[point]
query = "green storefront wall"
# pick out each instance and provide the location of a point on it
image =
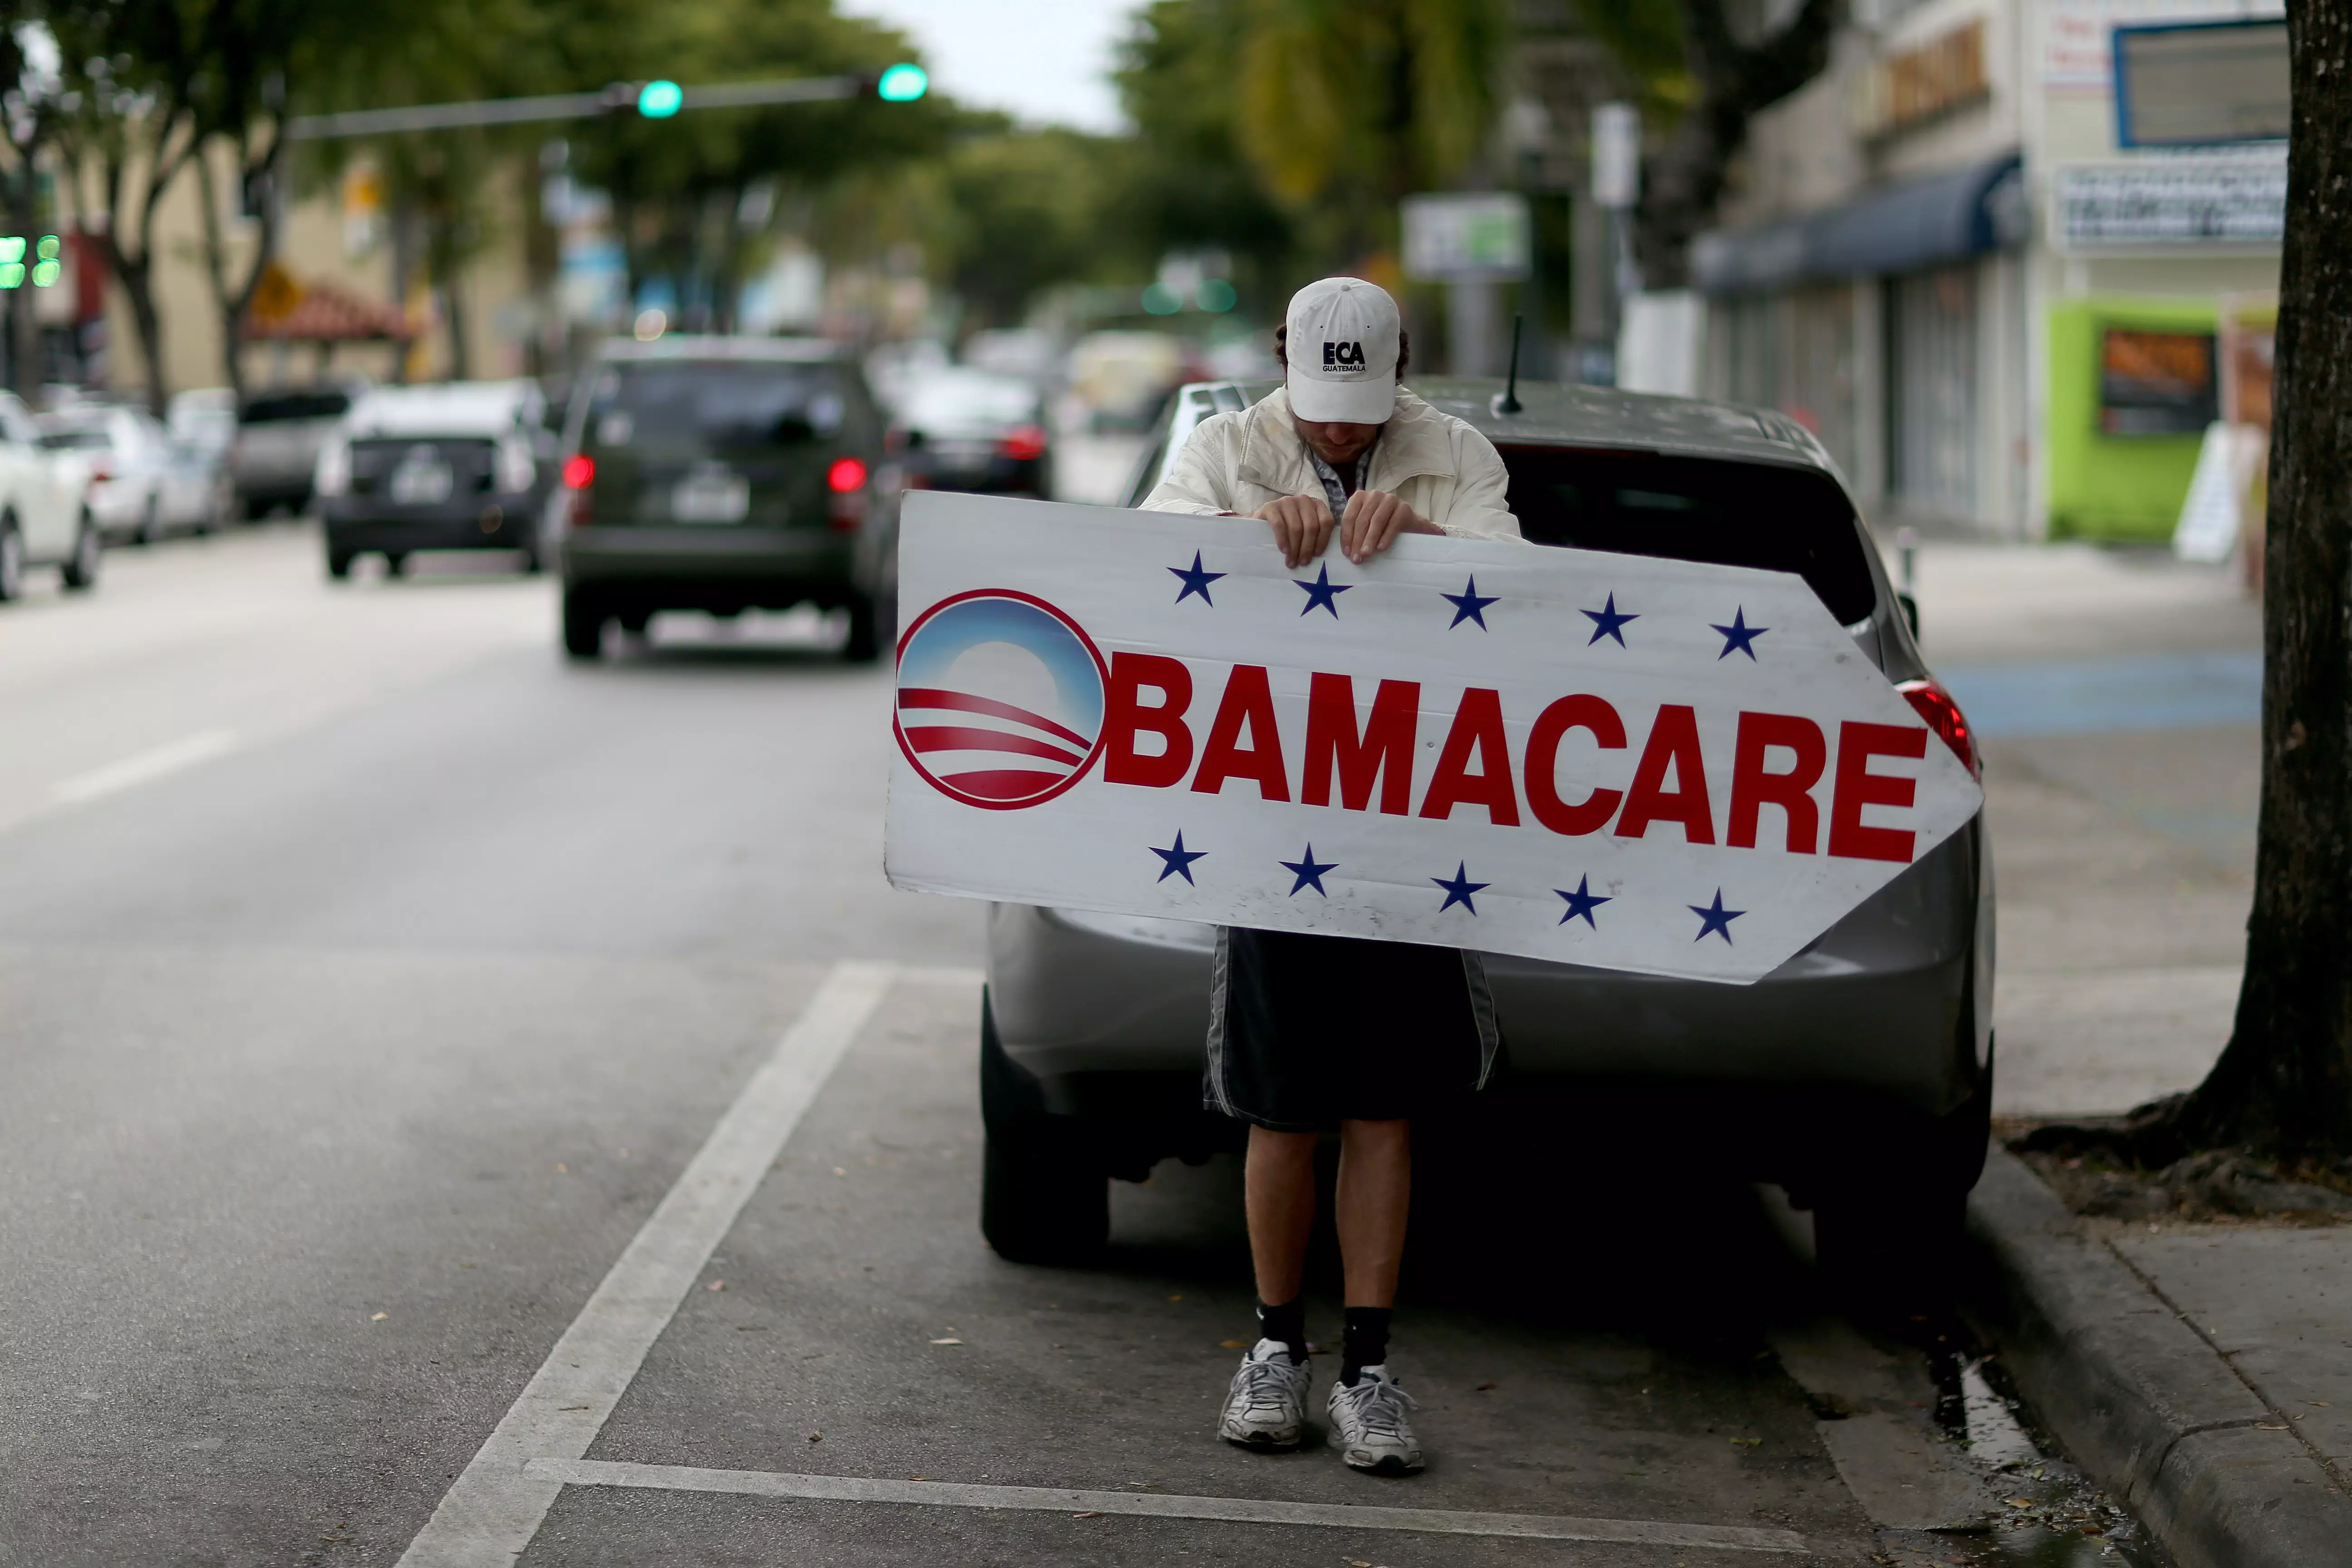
(2119, 488)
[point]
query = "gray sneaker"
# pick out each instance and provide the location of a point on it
(1370, 1425)
(1267, 1403)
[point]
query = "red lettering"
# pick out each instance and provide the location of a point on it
(1125, 716)
(1753, 788)
(1674, 743)
(1383, 751)
(1857, 786)
(1478, 725)
(1248, 702)
(1581, 711)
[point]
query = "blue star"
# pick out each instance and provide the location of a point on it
(1606, 621)
(1459, 889)
(1196, 581)
(1308, 872)
(1737, 636)
(1468, 605)
(1178, 860)
(1717, 920)
(1582, 902)
(1322, 591)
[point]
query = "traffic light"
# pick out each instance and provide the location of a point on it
(661, 99)
(45, 269)
(902, 83)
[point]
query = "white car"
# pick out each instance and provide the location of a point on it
(42, 521)
(137, 489)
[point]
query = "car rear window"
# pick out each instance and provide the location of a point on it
(973, 400)
(715, 405)
(1697, 509)
(88, 441)
(274, 407)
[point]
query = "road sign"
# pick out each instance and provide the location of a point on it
(1639, 764)
(1466, 237)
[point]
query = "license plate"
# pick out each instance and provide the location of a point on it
(711, 498)
(421, 484)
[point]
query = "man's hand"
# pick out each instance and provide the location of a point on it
(1302, 527)
(1374, 520)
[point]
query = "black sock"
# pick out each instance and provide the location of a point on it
(1366, 1343)
(1288, 1323)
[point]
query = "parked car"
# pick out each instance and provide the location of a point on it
(135, 492)
(724, 474)
(198, 490)
(43, 519)
(1859, 1075)
(969, 430)
(460, 465)
(278, 434)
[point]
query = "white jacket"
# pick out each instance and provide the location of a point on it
(1438, 465)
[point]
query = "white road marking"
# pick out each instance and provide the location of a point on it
(144, 767)
(1233, 1510)
(490, 1514)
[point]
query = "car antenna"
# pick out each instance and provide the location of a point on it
(1508, 401)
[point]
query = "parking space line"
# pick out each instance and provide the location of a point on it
(144, 767)
(490, 1513)
(1230, 1510)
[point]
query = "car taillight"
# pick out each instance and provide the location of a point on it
(846, 474)
(99, 468)
(1944, 716)
(578, 471)
(1026, 443)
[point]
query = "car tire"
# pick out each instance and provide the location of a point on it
(395, 564)
(870, 630)
(338, 564)
(11, 561)
(1890, 1238)
(80, 573)
(583, 625)
(1043, 1198)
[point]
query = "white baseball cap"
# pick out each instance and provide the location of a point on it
(1342, 349)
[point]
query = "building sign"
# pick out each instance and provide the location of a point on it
(2156, 383)
(1923, 82)
(1469, 237)
(2168, 201)
(2202, 83)
(2078, 36)
(1639, 764)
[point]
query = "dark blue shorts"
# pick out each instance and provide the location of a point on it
(1306, 1031)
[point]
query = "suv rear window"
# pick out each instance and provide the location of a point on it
(716, 405)
(284, 405)
(1696, 509)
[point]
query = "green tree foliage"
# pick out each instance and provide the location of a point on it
(1019, 212)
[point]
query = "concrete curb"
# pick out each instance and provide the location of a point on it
(2148, 1408)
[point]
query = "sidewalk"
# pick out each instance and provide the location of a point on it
(2202, 1372)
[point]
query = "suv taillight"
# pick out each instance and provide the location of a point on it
(1023, 444)
(580, 478)
(845, 505)
(1944, 716)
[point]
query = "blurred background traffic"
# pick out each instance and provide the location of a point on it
(2011, 260)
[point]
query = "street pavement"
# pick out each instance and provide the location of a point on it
(423, 1055)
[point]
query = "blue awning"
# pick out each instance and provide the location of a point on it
(1902, 228)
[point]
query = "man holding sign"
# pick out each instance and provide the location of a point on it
(1308, 1033)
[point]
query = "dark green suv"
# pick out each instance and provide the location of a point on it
(724, 474)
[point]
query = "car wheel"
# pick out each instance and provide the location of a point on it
(11, 561)
(338, 564)
(1043, 1197)
(583, 625)
(395, 564)
(80, 569)
(869, 630)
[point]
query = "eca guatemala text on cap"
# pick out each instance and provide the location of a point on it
(1342, 343)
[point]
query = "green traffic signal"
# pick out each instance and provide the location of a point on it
(902, 83)
(661, 99)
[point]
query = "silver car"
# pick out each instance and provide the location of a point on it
(1858, 1075)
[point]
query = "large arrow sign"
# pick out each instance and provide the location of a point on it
(1640, 765)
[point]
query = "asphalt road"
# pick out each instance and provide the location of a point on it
(371, 984)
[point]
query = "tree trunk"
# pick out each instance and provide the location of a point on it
(2283, 1087)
